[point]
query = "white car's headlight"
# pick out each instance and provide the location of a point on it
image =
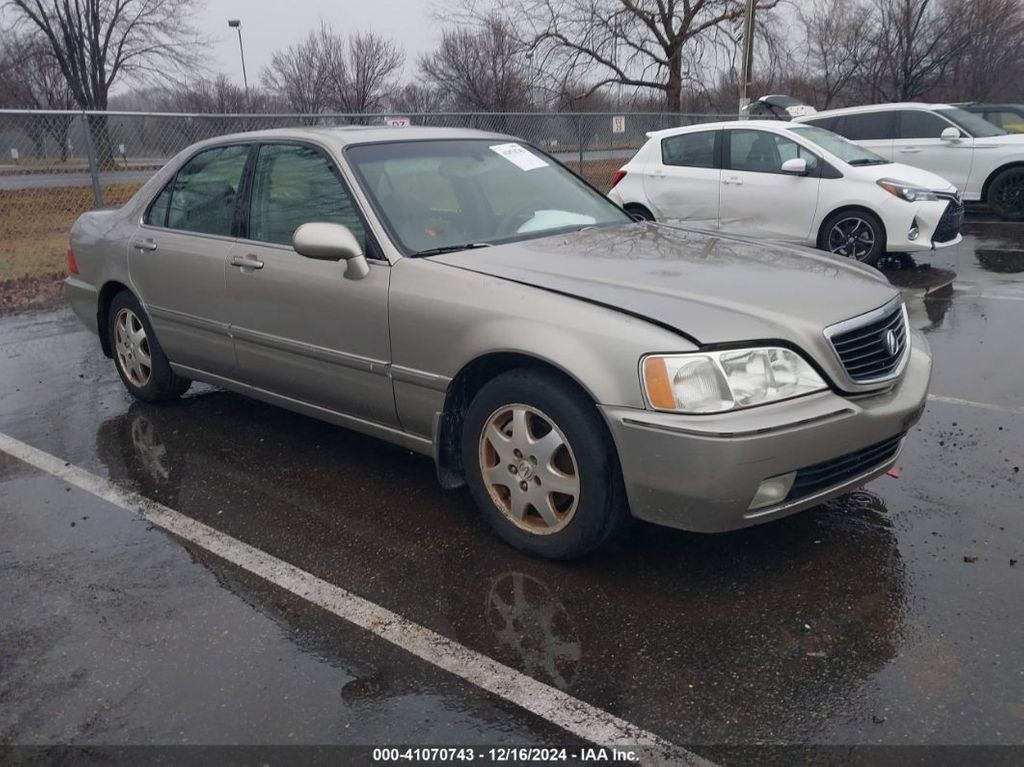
(716, 381)
(905, 191)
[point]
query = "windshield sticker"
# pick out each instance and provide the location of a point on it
(519, 156)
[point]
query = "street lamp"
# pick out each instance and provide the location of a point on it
(237, 24)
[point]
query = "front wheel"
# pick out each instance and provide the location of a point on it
(139, 360)
(1006, 194)
(541, 466)
(853, 234)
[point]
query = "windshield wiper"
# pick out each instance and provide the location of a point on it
(867, 161)
(452, 248)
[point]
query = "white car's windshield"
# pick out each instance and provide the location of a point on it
(974, 124)
(461, 193)
(842, 148)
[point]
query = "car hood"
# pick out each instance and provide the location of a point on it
(906, 173)
(710, 288)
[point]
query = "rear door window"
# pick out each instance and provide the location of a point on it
(865, 126)
(203, 193)
(691, 150)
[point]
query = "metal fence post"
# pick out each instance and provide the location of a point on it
(579, 135)
(90, 153)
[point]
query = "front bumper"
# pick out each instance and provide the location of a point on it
(700, 473)
(937, 222)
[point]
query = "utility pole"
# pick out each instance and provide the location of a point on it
(748, 56)
(236, 24)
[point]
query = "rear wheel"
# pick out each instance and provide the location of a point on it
(639, 212)
(1006, 194)
(853, 234)
(139, 360)
(541, 466)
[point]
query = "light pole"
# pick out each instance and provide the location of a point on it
(237, 25)
(748, 57)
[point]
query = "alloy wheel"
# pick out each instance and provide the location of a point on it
(851, 237)
(1009, 197)
(529, 469)
(132, 346)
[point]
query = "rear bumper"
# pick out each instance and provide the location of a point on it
(84, 299)
(701, 473)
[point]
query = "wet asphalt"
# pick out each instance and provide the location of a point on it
(893, 615)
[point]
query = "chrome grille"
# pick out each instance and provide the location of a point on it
(872, 347)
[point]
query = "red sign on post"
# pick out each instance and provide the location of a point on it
(619, 124)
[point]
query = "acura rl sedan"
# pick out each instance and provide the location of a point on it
(463, 295)
(789, 182)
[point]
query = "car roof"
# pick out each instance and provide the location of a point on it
(986, 105)
(872, 108)
(341, 136)
(771, 124)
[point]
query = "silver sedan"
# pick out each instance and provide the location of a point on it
(465, 296)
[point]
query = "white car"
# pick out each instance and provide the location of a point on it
(984, 162)
(788, 182)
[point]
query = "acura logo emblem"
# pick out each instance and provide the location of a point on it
(890, 342)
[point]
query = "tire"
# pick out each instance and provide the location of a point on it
(638, 212)
(1006, 194)
(863, 229)
(139, 360)
(576, 455)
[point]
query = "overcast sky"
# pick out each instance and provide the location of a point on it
(268, 25)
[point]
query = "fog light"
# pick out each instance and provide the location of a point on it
(772, 491)
(914, 232)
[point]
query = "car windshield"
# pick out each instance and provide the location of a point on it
(454, 194)
(974, 124)
(835, 144)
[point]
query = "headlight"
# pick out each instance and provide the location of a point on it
(713, 382)
(906, 191)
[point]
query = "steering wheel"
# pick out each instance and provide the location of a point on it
(510, 222)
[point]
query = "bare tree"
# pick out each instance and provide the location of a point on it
(837, 37)
(327, 72)
(638, 43)
(30, 78)
(97, 43)
(367, 72)
(483, 68)
(915, 44)
(991, 68)
(417, 97)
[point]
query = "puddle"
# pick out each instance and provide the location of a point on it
(1001, 261)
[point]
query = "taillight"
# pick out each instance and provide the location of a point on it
(72, 264)
(619, 175)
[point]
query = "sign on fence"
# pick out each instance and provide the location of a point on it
(396, 122)
(619, 124)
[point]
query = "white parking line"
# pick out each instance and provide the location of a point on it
(571, 714)
(972, 403)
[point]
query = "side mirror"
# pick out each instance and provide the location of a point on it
(331, 242)
(950, 134)
(795, 167)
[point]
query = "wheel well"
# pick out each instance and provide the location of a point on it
(993, 174)
(467, 382)
(849, 209)
(635, 205)
(106, 296)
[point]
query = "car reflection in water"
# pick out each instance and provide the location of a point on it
(722, 638)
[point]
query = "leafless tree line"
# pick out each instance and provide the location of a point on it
(514, 55)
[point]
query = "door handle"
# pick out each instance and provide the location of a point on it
(734, 180)
(910, 150)
(658, 173)
(247, 262)
(147, 244)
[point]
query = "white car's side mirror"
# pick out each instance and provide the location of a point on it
(950, 134)
(795, 167)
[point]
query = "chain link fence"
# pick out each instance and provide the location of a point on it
(56, 165)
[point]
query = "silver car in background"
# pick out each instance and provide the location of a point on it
(463, 295)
